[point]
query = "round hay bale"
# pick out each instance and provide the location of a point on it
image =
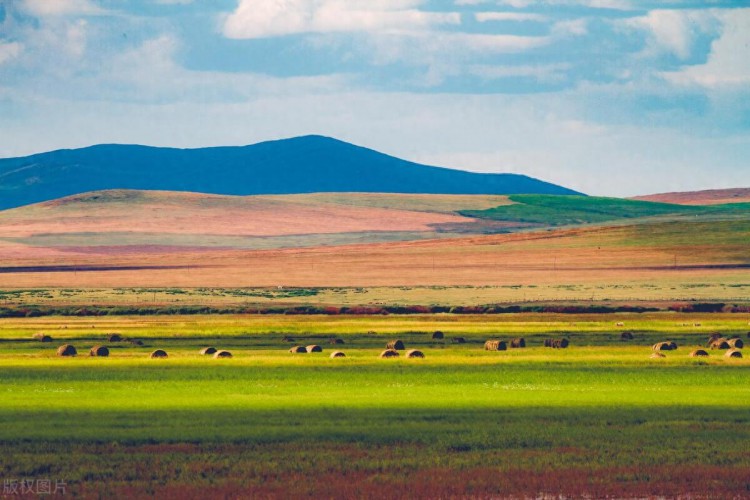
(698, 353)
(114, 337)
(561, 343)
(549, 342)
(389, 353)
(720, 343)
(42, 337)
(99, 351)
(518, 343)
(67, 350)
(413, 353)
(314, 348)
(206, 351)
(495, 345)
(713, 336)
(733, 353)
(658, 355)
(661, 346)
(222, 354)
(336, 341)
(736, 343)
(158, 354)
(396, 345)
(298, 349)
(458, 340)
(438, 335)
(338, 354)
(626, 336)
(620, 323)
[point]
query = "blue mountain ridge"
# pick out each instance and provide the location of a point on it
(306, 164)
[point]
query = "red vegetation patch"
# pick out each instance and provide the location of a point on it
(670, 481)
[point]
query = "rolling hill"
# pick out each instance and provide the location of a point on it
(706, 197)
(299, 165)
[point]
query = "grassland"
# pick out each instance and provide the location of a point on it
(599, 418)
(551, 210)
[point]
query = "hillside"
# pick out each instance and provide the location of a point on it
(707, 197)
(161, 239)
(300, 165)
(573, 210)
(162, 219)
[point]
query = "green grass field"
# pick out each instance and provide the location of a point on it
(550, 210)
(599, 418)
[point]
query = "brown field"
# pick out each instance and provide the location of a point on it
(192, 213)
(707, 197)
(591, 255)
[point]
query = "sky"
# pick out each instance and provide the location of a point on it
(608, 97)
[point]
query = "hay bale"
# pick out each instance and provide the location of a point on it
(42, 337)
(337, 354)
(696, 324)
(658, 355)
(714, 336)
(549, 342)
(495, 345)
(158, 354)
(114, 337)
(733, 353)
(389, 353)
(222, 354)
(626, 336)
(620, 324)
(336, 341)
(736, 343)
(395, 345)
(672, 345)
(413, 353)
(518, 343)
(662, 346)
(720, 343)
(298, 349)
(561, 343)
(67, 350)
(99, 351)
(438, 335)
(206, 351)
(314, 348)
(698, 353)
(136, 342)
(458, 340)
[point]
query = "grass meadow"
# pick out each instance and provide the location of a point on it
(600, 418)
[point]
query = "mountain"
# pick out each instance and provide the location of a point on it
(707, 197)
(299, 165)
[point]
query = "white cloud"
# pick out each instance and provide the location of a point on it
(9, 51)
(268, 18)
(44, 8)
(508, 16)
(674, 31)
(547, 73)
(522, 4)
(728, 64)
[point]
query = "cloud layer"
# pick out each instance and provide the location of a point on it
(605, 96)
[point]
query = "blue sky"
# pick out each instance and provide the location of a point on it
(610, 97)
